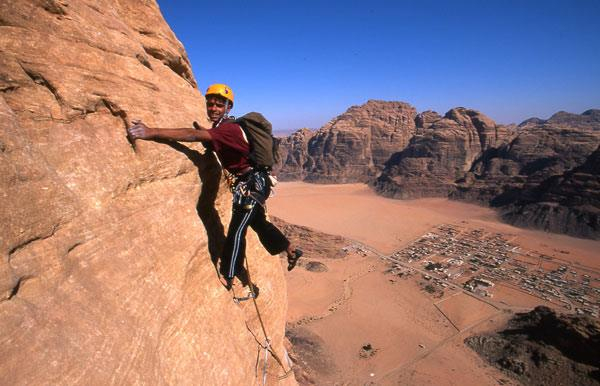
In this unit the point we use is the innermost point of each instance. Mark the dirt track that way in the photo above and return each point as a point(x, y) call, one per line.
point(417, 338)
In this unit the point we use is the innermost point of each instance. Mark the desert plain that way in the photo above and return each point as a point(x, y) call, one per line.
point(361, 312)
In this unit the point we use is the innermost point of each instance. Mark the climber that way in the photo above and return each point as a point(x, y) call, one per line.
point(251, 186)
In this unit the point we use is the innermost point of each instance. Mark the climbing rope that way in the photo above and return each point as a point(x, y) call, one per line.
point(267, 345)
point(267, 348)
point(231, 179)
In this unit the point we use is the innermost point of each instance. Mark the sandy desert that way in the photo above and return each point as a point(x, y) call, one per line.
point(360, 314)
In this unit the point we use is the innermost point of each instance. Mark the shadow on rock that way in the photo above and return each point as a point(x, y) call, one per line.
point(209, 172)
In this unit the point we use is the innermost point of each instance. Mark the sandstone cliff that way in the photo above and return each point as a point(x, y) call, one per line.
point(107, 274)
point(566, 203)
point(540, 149)
point(442, 151)
point(293, 154)
point(545, 177)
point(352, 147)
point(463, 155)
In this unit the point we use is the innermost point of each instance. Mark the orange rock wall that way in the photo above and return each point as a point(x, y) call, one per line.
point(105, 270)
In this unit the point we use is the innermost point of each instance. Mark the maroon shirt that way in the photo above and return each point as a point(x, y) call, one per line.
point(231, 146)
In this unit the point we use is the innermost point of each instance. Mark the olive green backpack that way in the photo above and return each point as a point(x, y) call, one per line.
point(263, 146)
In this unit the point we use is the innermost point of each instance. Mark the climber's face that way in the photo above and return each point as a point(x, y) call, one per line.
point(216, 107)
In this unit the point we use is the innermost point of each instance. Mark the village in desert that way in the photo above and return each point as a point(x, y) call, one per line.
point(431, 289)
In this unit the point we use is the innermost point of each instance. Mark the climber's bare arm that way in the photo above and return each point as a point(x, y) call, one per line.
point(140, 131)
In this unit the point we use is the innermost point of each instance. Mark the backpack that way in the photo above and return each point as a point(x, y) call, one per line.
point(263, 146)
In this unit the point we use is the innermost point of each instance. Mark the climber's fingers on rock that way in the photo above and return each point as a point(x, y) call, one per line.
point(138, 130)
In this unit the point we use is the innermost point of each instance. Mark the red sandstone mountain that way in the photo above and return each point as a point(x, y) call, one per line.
point(546, 177)
point(463, 155)
point(541, 149)
point(353, 147)
point(106, 274)
point(565, 203)
point(293, 153)
point(439, 155)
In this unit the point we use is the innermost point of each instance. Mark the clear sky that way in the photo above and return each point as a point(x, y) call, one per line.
point(303, 62)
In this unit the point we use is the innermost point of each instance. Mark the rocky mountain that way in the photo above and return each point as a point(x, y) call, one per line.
point(546, 177)
point(541, 347)
point(293, 154)
point(564, 203)
point(107, 273)
point(463, 155)
point(440, 153)
point(541, 149)
point(353, 147)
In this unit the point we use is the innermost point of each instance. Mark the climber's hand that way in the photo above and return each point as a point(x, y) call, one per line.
point(140, 131)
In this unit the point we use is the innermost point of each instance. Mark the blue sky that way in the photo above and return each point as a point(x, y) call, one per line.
point(304, 62)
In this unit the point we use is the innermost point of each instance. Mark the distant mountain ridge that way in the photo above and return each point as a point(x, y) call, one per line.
point(540, 173)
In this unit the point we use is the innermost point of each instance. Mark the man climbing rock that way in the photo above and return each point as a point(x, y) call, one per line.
point(251, 185)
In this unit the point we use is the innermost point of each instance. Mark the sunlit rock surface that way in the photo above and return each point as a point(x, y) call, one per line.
point(534, 173)
point(106, 275)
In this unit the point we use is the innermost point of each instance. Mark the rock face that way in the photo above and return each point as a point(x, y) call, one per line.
point(567, 203)
point(541, 149)
point(442, 151)
point(107, 274)
point(545, 177)
point(543, 348)
point(533, 172)
point(293, 153)
point(354, 146)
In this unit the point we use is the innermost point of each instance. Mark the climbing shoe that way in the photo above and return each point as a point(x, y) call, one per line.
point(292, 260)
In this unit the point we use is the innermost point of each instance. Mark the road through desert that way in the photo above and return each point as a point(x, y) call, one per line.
point(355, 320)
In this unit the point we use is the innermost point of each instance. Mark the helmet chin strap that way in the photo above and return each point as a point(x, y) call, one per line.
point(226, 108)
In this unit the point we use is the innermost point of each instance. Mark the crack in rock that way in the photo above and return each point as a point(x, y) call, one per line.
point(72, 247)
point(177, 64)
point(24, 244)
point(118, 112)
point(15, 290)
point(55, 7)
point(8, 88)
point(146, 32)
point(144, 60)
point(38, 78)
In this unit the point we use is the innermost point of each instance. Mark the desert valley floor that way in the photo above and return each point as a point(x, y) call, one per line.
point(380, 296)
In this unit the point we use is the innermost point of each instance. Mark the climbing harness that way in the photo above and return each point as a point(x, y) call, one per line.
point(243, 187)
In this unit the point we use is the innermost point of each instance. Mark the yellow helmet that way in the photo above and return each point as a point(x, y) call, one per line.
point(221, 90)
